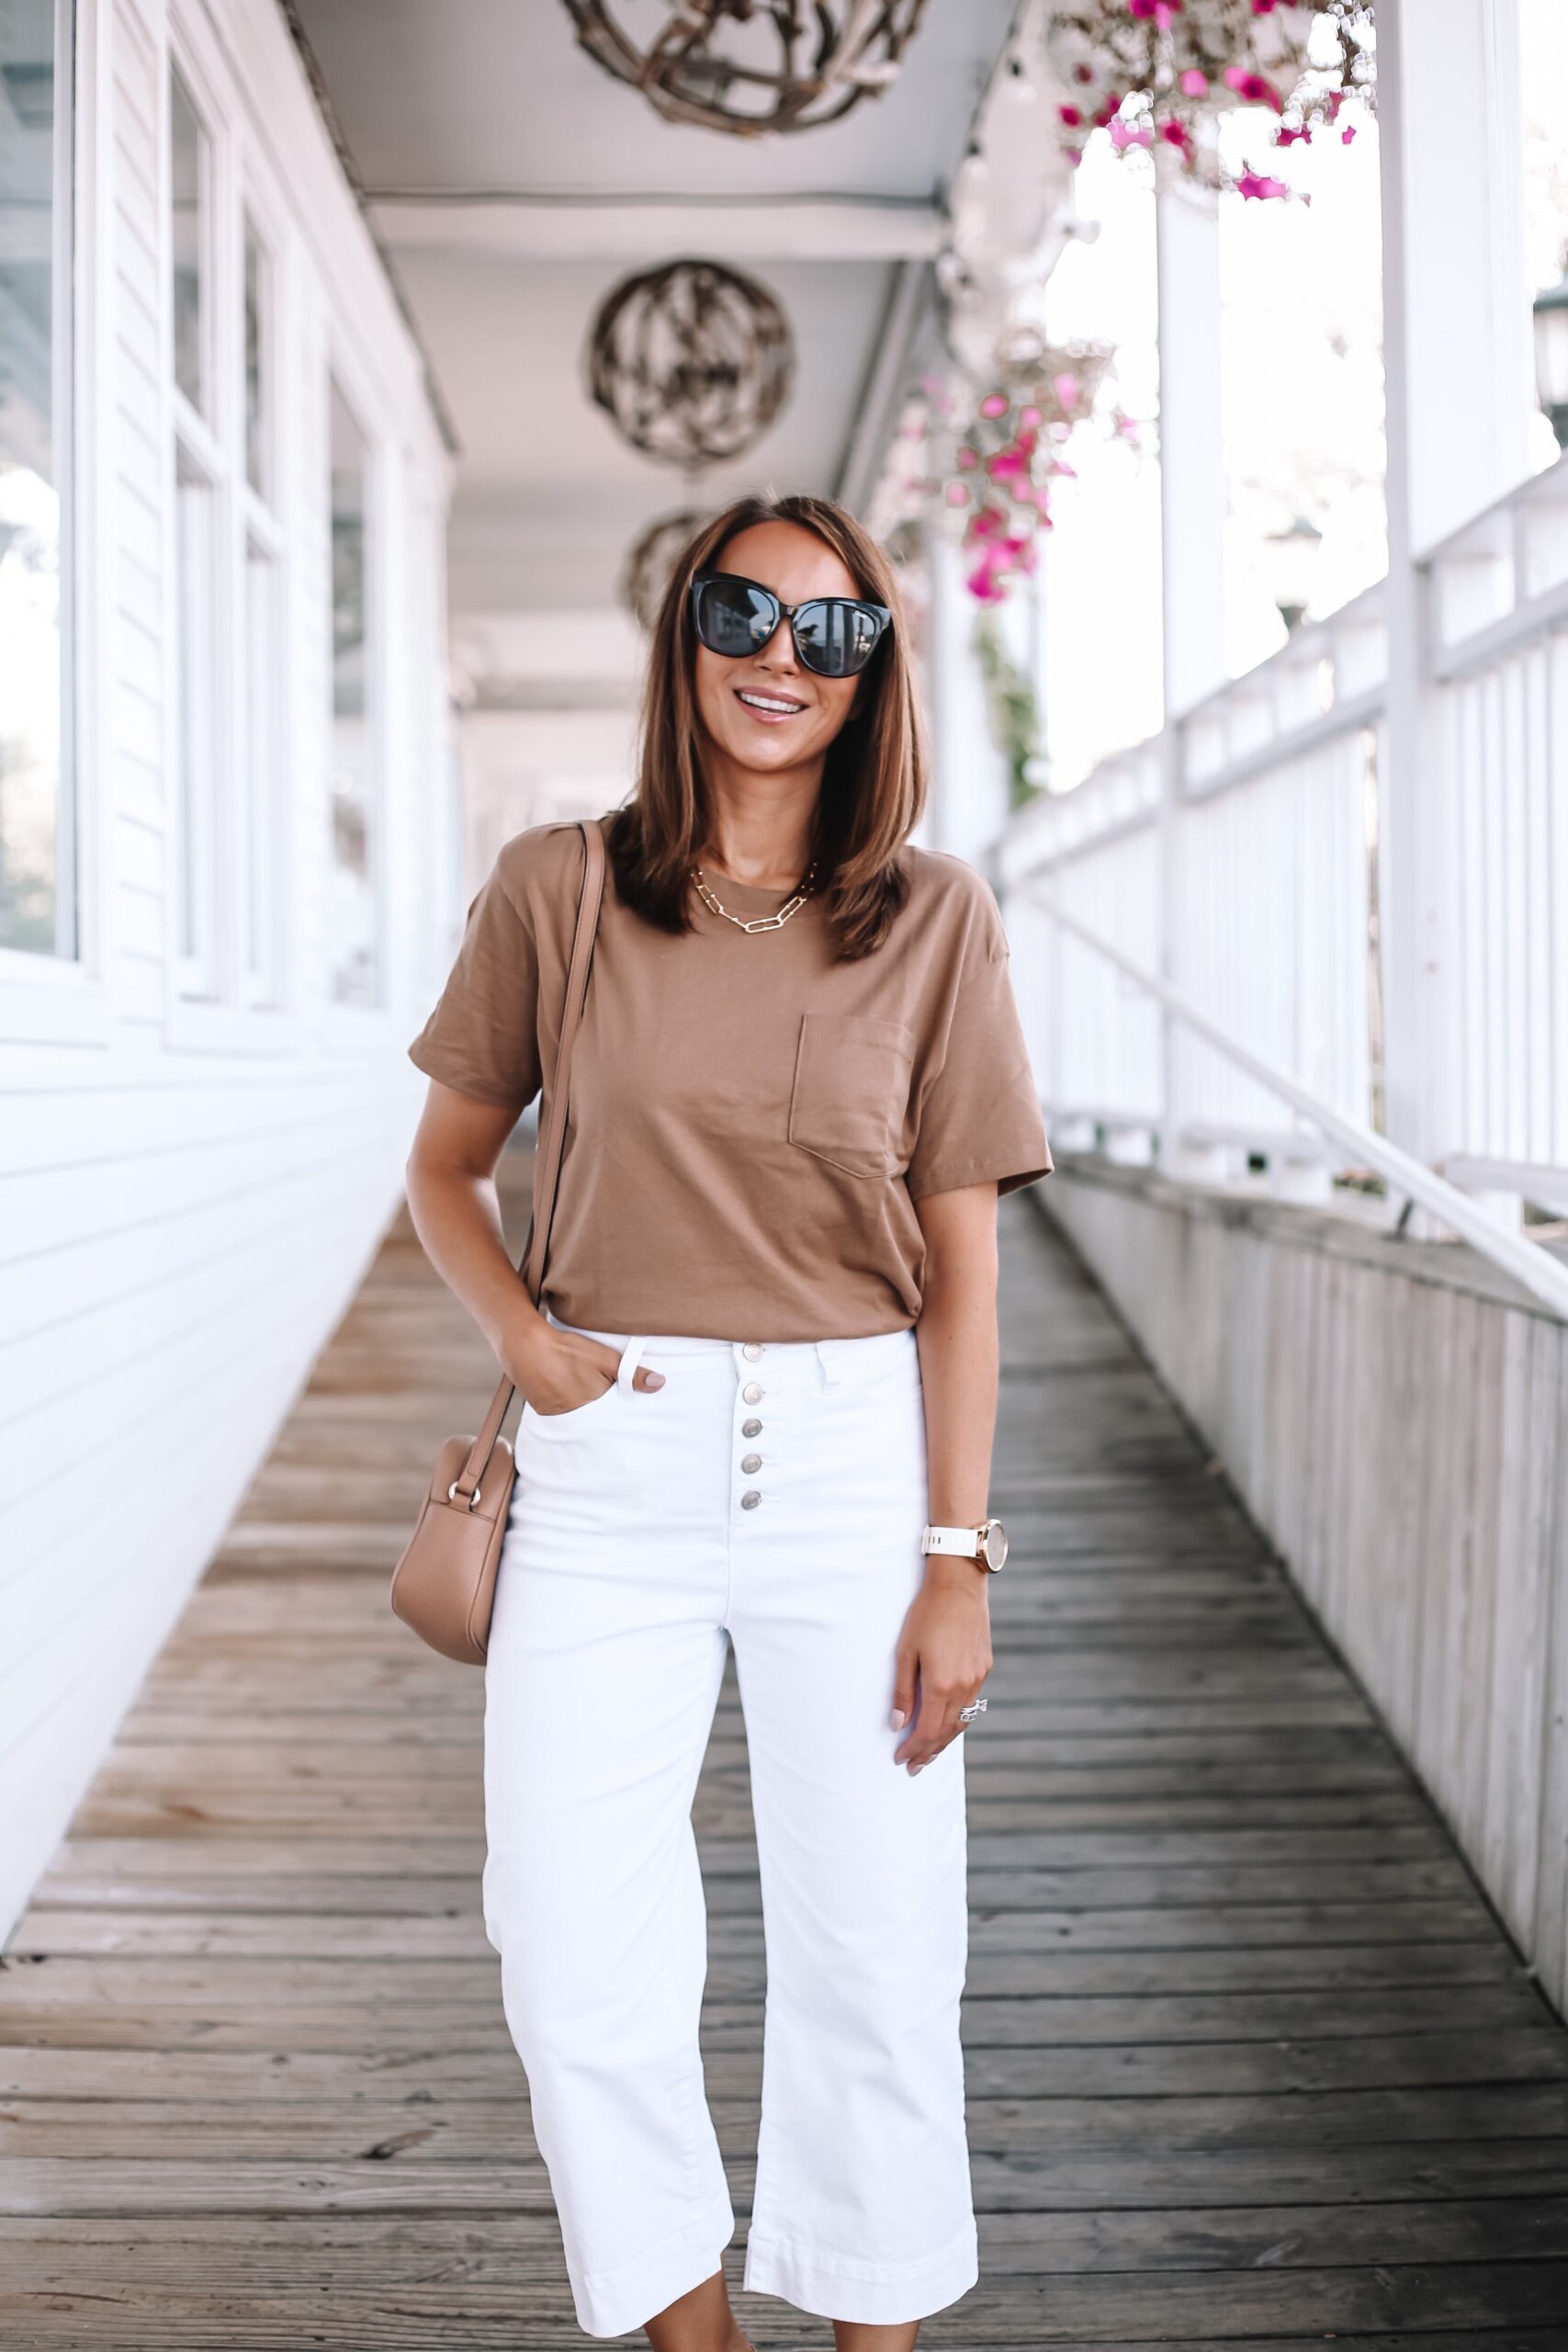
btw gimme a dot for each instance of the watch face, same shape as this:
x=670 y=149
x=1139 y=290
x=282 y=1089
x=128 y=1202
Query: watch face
x=994 y=1544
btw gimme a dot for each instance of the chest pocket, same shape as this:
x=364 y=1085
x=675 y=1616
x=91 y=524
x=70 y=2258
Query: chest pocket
x=850 y=1092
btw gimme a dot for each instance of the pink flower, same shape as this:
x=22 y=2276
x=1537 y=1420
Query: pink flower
x=1130 y=134
x=1259 y=184
x=1028 y=418
x=1004 y=464
x=994 y=405
x=956 y=494
x=1070 y=114
x=1348 y=134
x=1259 y=91
x=967 y=459
x=1287 y=136
x=1175 y=133
x=1083 y=72
x=1263 y=7
x=1162 y=11
x=1194 y=81
x=1067 y=390
x=1256 y=88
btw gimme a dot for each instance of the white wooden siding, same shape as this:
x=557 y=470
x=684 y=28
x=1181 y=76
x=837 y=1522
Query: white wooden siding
x=184 y=1217
x=1396 y=1417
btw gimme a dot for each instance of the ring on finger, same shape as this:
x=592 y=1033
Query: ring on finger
x=970 y=1713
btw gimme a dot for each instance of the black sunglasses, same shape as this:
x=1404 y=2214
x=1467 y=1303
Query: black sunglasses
x=835 y=636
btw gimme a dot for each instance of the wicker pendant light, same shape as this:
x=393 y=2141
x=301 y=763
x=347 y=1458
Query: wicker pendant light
x=691 y=362
x=751 y=67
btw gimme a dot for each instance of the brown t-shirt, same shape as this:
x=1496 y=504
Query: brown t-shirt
x=751 y=1121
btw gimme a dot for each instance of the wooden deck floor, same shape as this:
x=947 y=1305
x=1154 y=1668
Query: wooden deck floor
x=1249 y=2061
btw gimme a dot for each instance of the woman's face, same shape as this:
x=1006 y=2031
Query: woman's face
x=765 y=710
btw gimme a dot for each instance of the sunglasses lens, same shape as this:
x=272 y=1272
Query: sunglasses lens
x=734 y=618
x=835 y=637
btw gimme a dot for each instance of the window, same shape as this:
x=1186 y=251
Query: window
x=258 y=325
x=261 y=836
x=189 y=176
x=355 y=976
x=230 y=637
x=196 y=584
x=261 y=851
x=37 y=869
x=199 y=582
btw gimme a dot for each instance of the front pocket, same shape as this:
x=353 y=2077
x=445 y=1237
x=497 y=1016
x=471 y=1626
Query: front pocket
x=852 y=1091
x=574 y=1416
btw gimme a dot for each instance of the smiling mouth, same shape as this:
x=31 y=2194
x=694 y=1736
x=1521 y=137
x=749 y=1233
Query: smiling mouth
x=771 y=707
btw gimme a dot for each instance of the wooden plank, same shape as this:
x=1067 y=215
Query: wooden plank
x=1488 y=2140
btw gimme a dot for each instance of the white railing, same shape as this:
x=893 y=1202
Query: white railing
x=1529 y=1265
x=1498 y=647
x=1234 y=862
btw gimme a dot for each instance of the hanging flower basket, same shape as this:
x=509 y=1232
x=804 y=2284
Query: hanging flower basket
x=999 y=451
x=1158 y=73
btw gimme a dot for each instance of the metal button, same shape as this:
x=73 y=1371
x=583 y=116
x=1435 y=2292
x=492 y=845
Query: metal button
x=749 y=1500
x=751 y=1350
x=750 y=1462
x=751 y=1428
x=752 y=1393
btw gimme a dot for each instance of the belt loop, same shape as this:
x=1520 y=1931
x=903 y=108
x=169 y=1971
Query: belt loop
x=828 y=1361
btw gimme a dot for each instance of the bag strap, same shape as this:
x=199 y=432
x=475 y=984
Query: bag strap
x=552 y=1143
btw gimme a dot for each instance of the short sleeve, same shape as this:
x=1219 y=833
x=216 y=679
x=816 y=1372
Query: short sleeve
x=980 y=1115
x=482 y=1036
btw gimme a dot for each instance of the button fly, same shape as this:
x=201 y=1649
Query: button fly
x=751 y=1428
x=752 y=1393
x=749 y=1500
x=751 y=1350
x=750 y=1462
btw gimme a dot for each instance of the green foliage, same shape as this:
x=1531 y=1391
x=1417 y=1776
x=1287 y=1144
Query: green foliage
x=1013 y=710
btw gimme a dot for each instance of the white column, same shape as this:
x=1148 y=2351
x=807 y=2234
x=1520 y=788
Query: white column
x=1458 y=375
x=968 y=803
x=1192 y=443
x=1192 y=557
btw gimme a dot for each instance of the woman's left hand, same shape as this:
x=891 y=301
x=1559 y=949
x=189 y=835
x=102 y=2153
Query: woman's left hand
x=945 y=1655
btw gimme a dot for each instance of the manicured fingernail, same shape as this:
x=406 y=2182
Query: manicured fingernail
x=897 y=1718
x=914 y=1769
x=655 y=1380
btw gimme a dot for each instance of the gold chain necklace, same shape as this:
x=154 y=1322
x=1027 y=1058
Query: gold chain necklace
x=758 y=922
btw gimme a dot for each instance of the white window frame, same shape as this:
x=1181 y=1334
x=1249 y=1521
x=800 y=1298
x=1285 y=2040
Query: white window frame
x=235 y=844
x=347 y=1023
x=264 y=832
x=58 y=998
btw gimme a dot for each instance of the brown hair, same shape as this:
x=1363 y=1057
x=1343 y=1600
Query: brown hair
x=873 y=783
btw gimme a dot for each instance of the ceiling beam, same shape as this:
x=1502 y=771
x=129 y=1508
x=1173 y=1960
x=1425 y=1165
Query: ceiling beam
x=532 y=227
x=910 y=300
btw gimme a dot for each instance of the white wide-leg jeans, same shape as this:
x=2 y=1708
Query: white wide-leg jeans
x=774 y=1494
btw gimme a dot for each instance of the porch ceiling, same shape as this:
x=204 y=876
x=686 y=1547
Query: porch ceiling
x=514 y=182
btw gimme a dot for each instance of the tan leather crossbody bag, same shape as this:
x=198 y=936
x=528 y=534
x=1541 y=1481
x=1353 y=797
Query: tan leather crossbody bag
x=443 y=1586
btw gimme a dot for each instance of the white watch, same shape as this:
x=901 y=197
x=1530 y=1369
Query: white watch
x=987 y=1543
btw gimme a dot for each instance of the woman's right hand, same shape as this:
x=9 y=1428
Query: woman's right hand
x=557 y=1370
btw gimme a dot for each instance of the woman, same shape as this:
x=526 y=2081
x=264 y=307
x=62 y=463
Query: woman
x=767 y=1364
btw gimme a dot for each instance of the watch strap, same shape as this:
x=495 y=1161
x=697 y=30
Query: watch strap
x=962 y=1542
